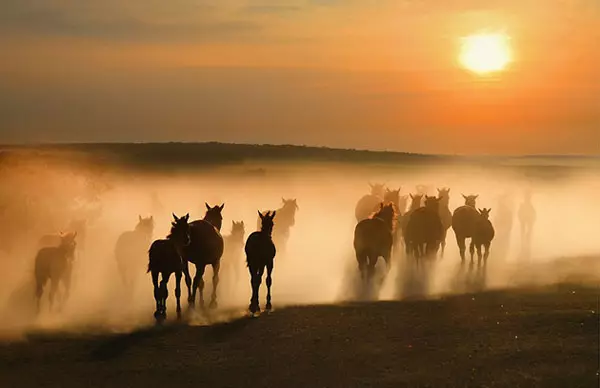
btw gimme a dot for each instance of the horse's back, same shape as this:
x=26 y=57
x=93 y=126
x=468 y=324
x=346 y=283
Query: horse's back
x=206 y=241
x=48 y=262
x=464 y=220
x=163 y=257
x=484 y=233
x=366 y=206
x=372 y=233
x=259 y=246
x=424 y=226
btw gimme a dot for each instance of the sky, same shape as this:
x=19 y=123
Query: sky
x=367 y=74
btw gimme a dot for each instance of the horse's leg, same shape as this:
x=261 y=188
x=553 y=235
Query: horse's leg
x=255 y=281
x=215 y=281
x=199 y=284
x=269 y=282
x=444 y=235
x=188 y=282
x=53 y=289
x=462 y=247
x=472 y=251
x=486 y=253
x=164 y=293
x=157 y=294
x=479 y=255
x=178 y=293
x=39 y=290
x=362 y=260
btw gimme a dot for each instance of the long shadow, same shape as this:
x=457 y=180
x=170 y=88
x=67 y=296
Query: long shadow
x=116 y=346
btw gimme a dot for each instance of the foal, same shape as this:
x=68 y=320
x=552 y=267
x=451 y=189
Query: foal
x=166 y=258
x=260 y=252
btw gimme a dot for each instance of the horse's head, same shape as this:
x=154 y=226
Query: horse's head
x=290 y=204
x=444 y=193
x=237 y=228
x=485 y=213
x=415 y=201
x=377 y=189
x=68 y=243
x=392 y=196
x=213 y=215
x=432 y=203
x=180 y=230
x=470 y=200
x=145 y=225
x=267 y=221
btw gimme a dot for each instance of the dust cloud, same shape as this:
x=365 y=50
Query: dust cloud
x=41 y=196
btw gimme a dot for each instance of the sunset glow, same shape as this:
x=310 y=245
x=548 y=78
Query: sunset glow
x=485 y=53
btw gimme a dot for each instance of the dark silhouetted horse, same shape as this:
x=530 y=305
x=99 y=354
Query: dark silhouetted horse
x=260 y=253
x=286 y=218
x=206 y=248
x=374 y=238
x=445 y=215
x=393 y=196
x=483 y=236
x=364 y=207
x=234 y=249
x=464 y=222
x=55 y=264
x=415 y=203
x=424 y=231
x=131 y=250
x=165 y=258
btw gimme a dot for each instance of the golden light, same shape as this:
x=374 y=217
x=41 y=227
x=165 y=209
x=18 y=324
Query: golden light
x=485 y=53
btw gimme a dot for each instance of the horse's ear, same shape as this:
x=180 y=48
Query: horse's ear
x=175 y=217
x=242 y=223
x=273 y=215
x=476 y=196
x=187 y=217
x=283 y=200
x=411 y=196
x=207 y=206
x=222 y=206
x=464 y=196
x=260 y=215
x=139 y=218
x=74 y=235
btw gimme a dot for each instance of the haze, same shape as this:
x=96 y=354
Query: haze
x=359 y=74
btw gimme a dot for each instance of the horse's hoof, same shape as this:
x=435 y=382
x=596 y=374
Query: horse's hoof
x=269 y=307
x=213 y=305
x=254 y=308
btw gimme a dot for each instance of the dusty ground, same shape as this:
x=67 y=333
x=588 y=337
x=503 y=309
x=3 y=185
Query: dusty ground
x=536 y=337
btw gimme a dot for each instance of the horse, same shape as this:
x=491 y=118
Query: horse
x=483 y=236
x=364 y=207
x=205 y=248
x=424 y=230
x=527 y=217
x=445 y=215
x=286 y=218
x=374 y=237
x=233 y=247
x=415 y=203
x=55 y=264
x=131 y=247
x=464 y=222
x=165 y=257
x=260 y=253
x=393 y=196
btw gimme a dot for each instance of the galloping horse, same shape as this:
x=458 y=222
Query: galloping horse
x=464 y=223
x=131 y=249
x=205 y=248
x=165 y=258
x=364 y=207
x=483 y=236
x=424 y=231
x=260 y=252
x=234 y=248
x=374 y=238
x=445 y=214
x=55 y=264
x=286 y=218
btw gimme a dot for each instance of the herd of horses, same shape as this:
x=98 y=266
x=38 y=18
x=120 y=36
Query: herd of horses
x=386 y=223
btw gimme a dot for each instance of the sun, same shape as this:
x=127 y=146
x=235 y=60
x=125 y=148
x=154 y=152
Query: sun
x=485 y=53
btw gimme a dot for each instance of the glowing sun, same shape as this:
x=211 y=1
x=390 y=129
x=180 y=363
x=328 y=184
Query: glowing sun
x=485 y=53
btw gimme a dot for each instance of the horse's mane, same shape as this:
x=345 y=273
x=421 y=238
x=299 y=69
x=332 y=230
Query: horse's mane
x=384 y=214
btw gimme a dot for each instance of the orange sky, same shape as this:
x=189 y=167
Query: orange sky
x=363 y=74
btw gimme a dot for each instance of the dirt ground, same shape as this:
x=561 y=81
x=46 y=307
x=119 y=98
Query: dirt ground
x=521 y=338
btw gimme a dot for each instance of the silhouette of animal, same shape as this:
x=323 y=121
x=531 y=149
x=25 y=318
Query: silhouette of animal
x=364 y=207
x=445 y=214
x=286 y=218
x=206 y=248
x=374 y=238
x=527 y=217
x=55 y=264
x=415 y=203
x=131 y=249
x=393 y=196
x=464 y=222
x=260 y=254
x=424 y=230
x=483 y=236
x=165 y=257
x=78 y=226
x=234 y=248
